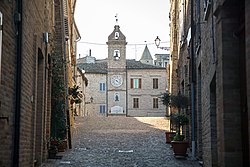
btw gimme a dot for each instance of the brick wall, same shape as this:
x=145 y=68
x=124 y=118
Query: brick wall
x=33 y=29
x=247 y=10
x=205 y=60
x=7 y=85
x=220 y=92
x=229 y=91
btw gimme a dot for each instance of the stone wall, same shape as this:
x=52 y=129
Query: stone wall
x=147 y=93
x=93 y=90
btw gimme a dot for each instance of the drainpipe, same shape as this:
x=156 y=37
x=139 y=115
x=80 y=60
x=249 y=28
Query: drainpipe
x=192 y=80
x=66 y=79
x=126 y=91
x=107 y=100
x=213 y=39
x=18 y=22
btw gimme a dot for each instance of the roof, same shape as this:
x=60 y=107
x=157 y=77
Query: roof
x=133 y=64
x=94 y=67
x=101 y=67
x=146 y=54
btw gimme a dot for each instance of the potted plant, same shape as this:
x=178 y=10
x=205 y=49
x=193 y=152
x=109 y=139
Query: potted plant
x=62 y=145
x=166 y=100
x=52 y=152
x=55 y=141
x=179 y=145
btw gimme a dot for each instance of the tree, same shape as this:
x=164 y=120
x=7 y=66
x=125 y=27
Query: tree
x=177 y=101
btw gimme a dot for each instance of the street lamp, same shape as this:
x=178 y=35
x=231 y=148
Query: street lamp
x=158 y=42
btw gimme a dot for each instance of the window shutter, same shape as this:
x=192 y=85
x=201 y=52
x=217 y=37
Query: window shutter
x=1 y=31
x=155 y=103
x=66 y=19
x=153 y=83
x=104 y=87
x=135 y=102
x=131 y=83
x=139 y=83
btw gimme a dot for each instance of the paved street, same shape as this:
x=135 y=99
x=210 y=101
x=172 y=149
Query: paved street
x=120 y=142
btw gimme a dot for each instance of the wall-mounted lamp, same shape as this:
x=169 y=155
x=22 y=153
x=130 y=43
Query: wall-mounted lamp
x=158 y=42
x=91 y=100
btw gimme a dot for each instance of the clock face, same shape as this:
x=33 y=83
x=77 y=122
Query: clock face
x=116 y=80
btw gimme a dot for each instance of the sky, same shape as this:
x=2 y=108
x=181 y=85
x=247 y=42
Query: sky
x=139 y=20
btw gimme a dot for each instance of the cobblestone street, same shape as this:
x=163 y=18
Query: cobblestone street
x=120 y=142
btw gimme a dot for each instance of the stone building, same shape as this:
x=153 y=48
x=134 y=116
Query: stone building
x=82 y=82
x=28 y=38
x=210 y=50
x=162 y=60
x=118 y=86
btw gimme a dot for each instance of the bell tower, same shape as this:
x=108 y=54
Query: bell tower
x=116 y=49
x=116 y=81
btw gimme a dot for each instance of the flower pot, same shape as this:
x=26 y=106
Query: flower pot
x=52 y=155
x=52 y=152
x=62 y=146
x=180 y=147
x=169 y=135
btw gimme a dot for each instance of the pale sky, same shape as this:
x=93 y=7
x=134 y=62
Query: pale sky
x=139 y=21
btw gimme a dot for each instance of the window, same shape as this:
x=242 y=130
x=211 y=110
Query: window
x=207 y=7
x=117 y=96
x=117 y=54
x=102 y=109
x=135 y=102
x=102 y=87
x=135 y=83
x=116 y=35
x=155 y=103
x=155 y=83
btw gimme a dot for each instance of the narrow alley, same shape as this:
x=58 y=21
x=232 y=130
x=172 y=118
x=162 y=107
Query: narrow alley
x=120 y=142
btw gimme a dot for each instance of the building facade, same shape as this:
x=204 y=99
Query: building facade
x=30 y=35
x=210 y=46
x=25 y=82
x=118 y=86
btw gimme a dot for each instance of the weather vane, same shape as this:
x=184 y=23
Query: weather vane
x=116 y=18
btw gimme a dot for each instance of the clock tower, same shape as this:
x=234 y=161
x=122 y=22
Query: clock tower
x=116 y=78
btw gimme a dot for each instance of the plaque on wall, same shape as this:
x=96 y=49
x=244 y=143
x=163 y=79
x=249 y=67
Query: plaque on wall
x=117 y=110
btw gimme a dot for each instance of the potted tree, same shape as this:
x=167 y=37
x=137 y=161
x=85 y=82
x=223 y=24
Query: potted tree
x=179 y=143
x=165 y=98
x=179 y=120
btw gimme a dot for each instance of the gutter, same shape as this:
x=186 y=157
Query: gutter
x=18 y=23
